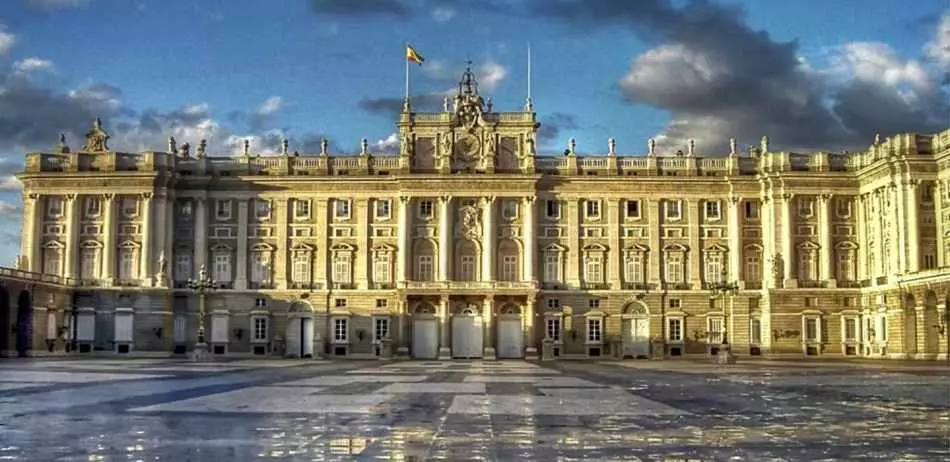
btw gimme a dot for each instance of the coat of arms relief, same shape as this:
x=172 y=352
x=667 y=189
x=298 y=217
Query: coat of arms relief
x=470 y=226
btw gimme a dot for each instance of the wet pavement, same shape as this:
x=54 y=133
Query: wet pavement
x=156 y=409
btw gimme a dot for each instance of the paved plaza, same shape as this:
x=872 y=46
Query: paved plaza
x=159 y=409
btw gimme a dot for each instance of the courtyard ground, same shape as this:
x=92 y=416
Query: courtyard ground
x=160 y=409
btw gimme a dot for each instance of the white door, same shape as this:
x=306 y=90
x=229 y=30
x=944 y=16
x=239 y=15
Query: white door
x=293 y=338
x=425 y=338
x=306 y=334
x=510 y=338
x=466 y=336
x=636 y=337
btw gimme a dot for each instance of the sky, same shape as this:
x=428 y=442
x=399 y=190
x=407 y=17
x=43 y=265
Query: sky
x=810 y=74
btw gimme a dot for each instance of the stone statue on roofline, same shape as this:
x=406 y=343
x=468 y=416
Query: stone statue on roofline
x=97 y=140
x=202 y=148
x=651 y=147
x=62 y=147
x=172 y=145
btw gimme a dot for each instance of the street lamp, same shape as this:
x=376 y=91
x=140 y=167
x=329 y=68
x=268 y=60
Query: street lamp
x=199 y=286
x=721 y=289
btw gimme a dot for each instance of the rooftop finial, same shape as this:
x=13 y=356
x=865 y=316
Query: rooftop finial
x=323 y=146
x=364 y=146
x=284 y=145
x=651 y=147
x=468 y=85
x=172 y=145
x=691 y=148
x=732 y=146
x=611 y=146
x=571 y=146
x=62 y=147
x=528 y=104
x=247 y=147
x=877 y=139
x=97 y=140
x=202 y=148
x=765 y=144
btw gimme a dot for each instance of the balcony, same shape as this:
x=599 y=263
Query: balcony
x=812 y=284
x=638 y=286
x=553 y=286
x=305 y=285
x=382 y=285
x=849 y=284
x=677 y=286
x=595 y=285
x=261 y=285
x=753 y=285
x=344 y=286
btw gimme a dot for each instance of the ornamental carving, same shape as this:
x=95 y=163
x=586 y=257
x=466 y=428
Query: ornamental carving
x=97 y=140
x=469 y=222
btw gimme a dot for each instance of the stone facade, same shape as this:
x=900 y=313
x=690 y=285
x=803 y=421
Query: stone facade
x=468 y=244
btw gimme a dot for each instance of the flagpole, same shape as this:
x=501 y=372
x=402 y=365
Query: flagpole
x=406 y=59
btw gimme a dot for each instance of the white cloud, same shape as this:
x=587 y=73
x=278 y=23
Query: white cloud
x=8 y=209
x=10 y=183
x=388 y=145
x=33 y=64
x=938 y=49
x=270 y=106
x=442 y=14
x=490 y=74
x=6 y=40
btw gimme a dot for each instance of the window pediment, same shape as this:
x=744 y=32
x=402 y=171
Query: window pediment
x=808 y=245
x=383 y=248
x=262 y=247
x=301 y=247
x=717 y=248
x=675 y=248
x=91 y=244
x=53 y=245
x=636 y=248
x=221 y=248
x=594 y=248
x=343 y=248
x=554 y=248
x=846 y=245
x=753 y=248
x=129 y=245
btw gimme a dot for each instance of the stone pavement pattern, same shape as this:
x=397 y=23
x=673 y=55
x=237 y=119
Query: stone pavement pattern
x=98 y=409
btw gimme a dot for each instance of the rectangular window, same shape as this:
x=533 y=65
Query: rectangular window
x=593 y=303
x=185 y=210
x=52 y=261
x=302 y=209
x=126 y=264
x=509 y=209
x=806 y=268
x=850 y=329
x=593 y=330
x=340 y=329
x=843 y=205
x=713 y=211
x=845 y=266
x=633 y=209
x=222 y=209
x=88 y=266
x=130 y=207
x=260 y=267
x=674 y=330
x=553 y=303
x=182 y=267
x=222 y=268
x=260 y=329
x=753 y=265
x=552 y=267
x=425 y=209
x=715 y=332
x=674 y=210
x=381 y=329
x=381 y=265
x=927 y=193
x=552 y=209
x=592 y=209
x=339 y=302
x=553 y=331
x=467 y=268
x=929 y=260
x=509 y=268
x=751 y=210
x=594 y=269
x=93 y=206
x=424 y=268
x=806 y=206
x=383 y=209
x=341 y=209
x=674 y=268
x=635 y=268
x=301 y=272
x=382 y=303
x=714 y=267
x=755 y=333
x=261 y=208
x=811 y=330
x=54 y=207
x=341 y=268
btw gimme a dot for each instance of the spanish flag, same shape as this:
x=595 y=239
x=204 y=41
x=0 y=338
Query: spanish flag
x=413 y=55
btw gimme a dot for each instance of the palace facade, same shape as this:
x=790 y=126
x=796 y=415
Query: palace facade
x=467 y=244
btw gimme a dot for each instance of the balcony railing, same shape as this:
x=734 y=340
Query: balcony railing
x=595 y=285
x=677 y=286
x=344 y=285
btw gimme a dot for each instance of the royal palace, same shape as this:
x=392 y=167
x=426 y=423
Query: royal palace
x=466 y=244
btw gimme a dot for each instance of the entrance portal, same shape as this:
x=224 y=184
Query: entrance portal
x=425 y=333
x=636 y=331
x=467 y=334
x=510 y=333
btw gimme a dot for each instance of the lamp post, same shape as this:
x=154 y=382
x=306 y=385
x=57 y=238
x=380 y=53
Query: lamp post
x=722 y=289
x=200 y=285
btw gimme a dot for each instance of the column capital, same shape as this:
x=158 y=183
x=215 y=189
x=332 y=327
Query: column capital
x=787 y=197
x=107 y=196
x=824 y=197
x=488 y=200
x=146 y=196
x=33 y=196
x=734 y=200
x=70 y=197
x=530 y=199
x=404 y=200
x=445 y=199
x=444 y=299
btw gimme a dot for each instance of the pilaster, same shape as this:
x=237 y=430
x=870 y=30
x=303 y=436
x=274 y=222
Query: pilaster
x=445 y=352
x=695 y=251
x=108 y=237
x=201 y=234
x=445 y=237
x=653 y=259
x=488 y=318
x=862 y=271
x=162 y=226
x=71 y=202
x=322 y=251
x=363 y=254
x=488 y=238
x=827 y=252
x=31 y=234
x=735 y=239
x=574 y=243
x=240 y=277
x=895 y=196
x=531 y=350
x=786 y=238
x=145 y=260
x=402 y=235
x=940 y=191
x=615 y=253
x=912 y=239
x=530 y=255
x=280 y=257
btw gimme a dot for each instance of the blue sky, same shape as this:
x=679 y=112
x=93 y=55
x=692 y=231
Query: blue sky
x=809 y=74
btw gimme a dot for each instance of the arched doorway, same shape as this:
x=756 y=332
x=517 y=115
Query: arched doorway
x=425 y=332
x=24 y=322
x=467 y=332
x=5 y=324
x=910 y=325
x=299 y=330
x=510 y=333
x=636 y=330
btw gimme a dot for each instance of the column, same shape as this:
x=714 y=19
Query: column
x=862 y=271
x=656 y=253
x=530 y=257
x=201 y=234
x=280 y=255
x=940 y=191
x=402 y=328
x=162 y=227
x=108 y=238
x=240 y=278
x=574 y=244
x=31 y=234
x=319 y=259
x=488 y=238
x=614 y=253
x=71 y=202
x=445 y=351
x=531 y=350
x=695 y=248
x=735 y=240
x=768 y=242
x=445 y=237
x=145 y=259
x=895 y=196
x=363 y=255
x=826 y=254
x=912 y=236
x=786 y=238
x=402 y=234
x=488 y=318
